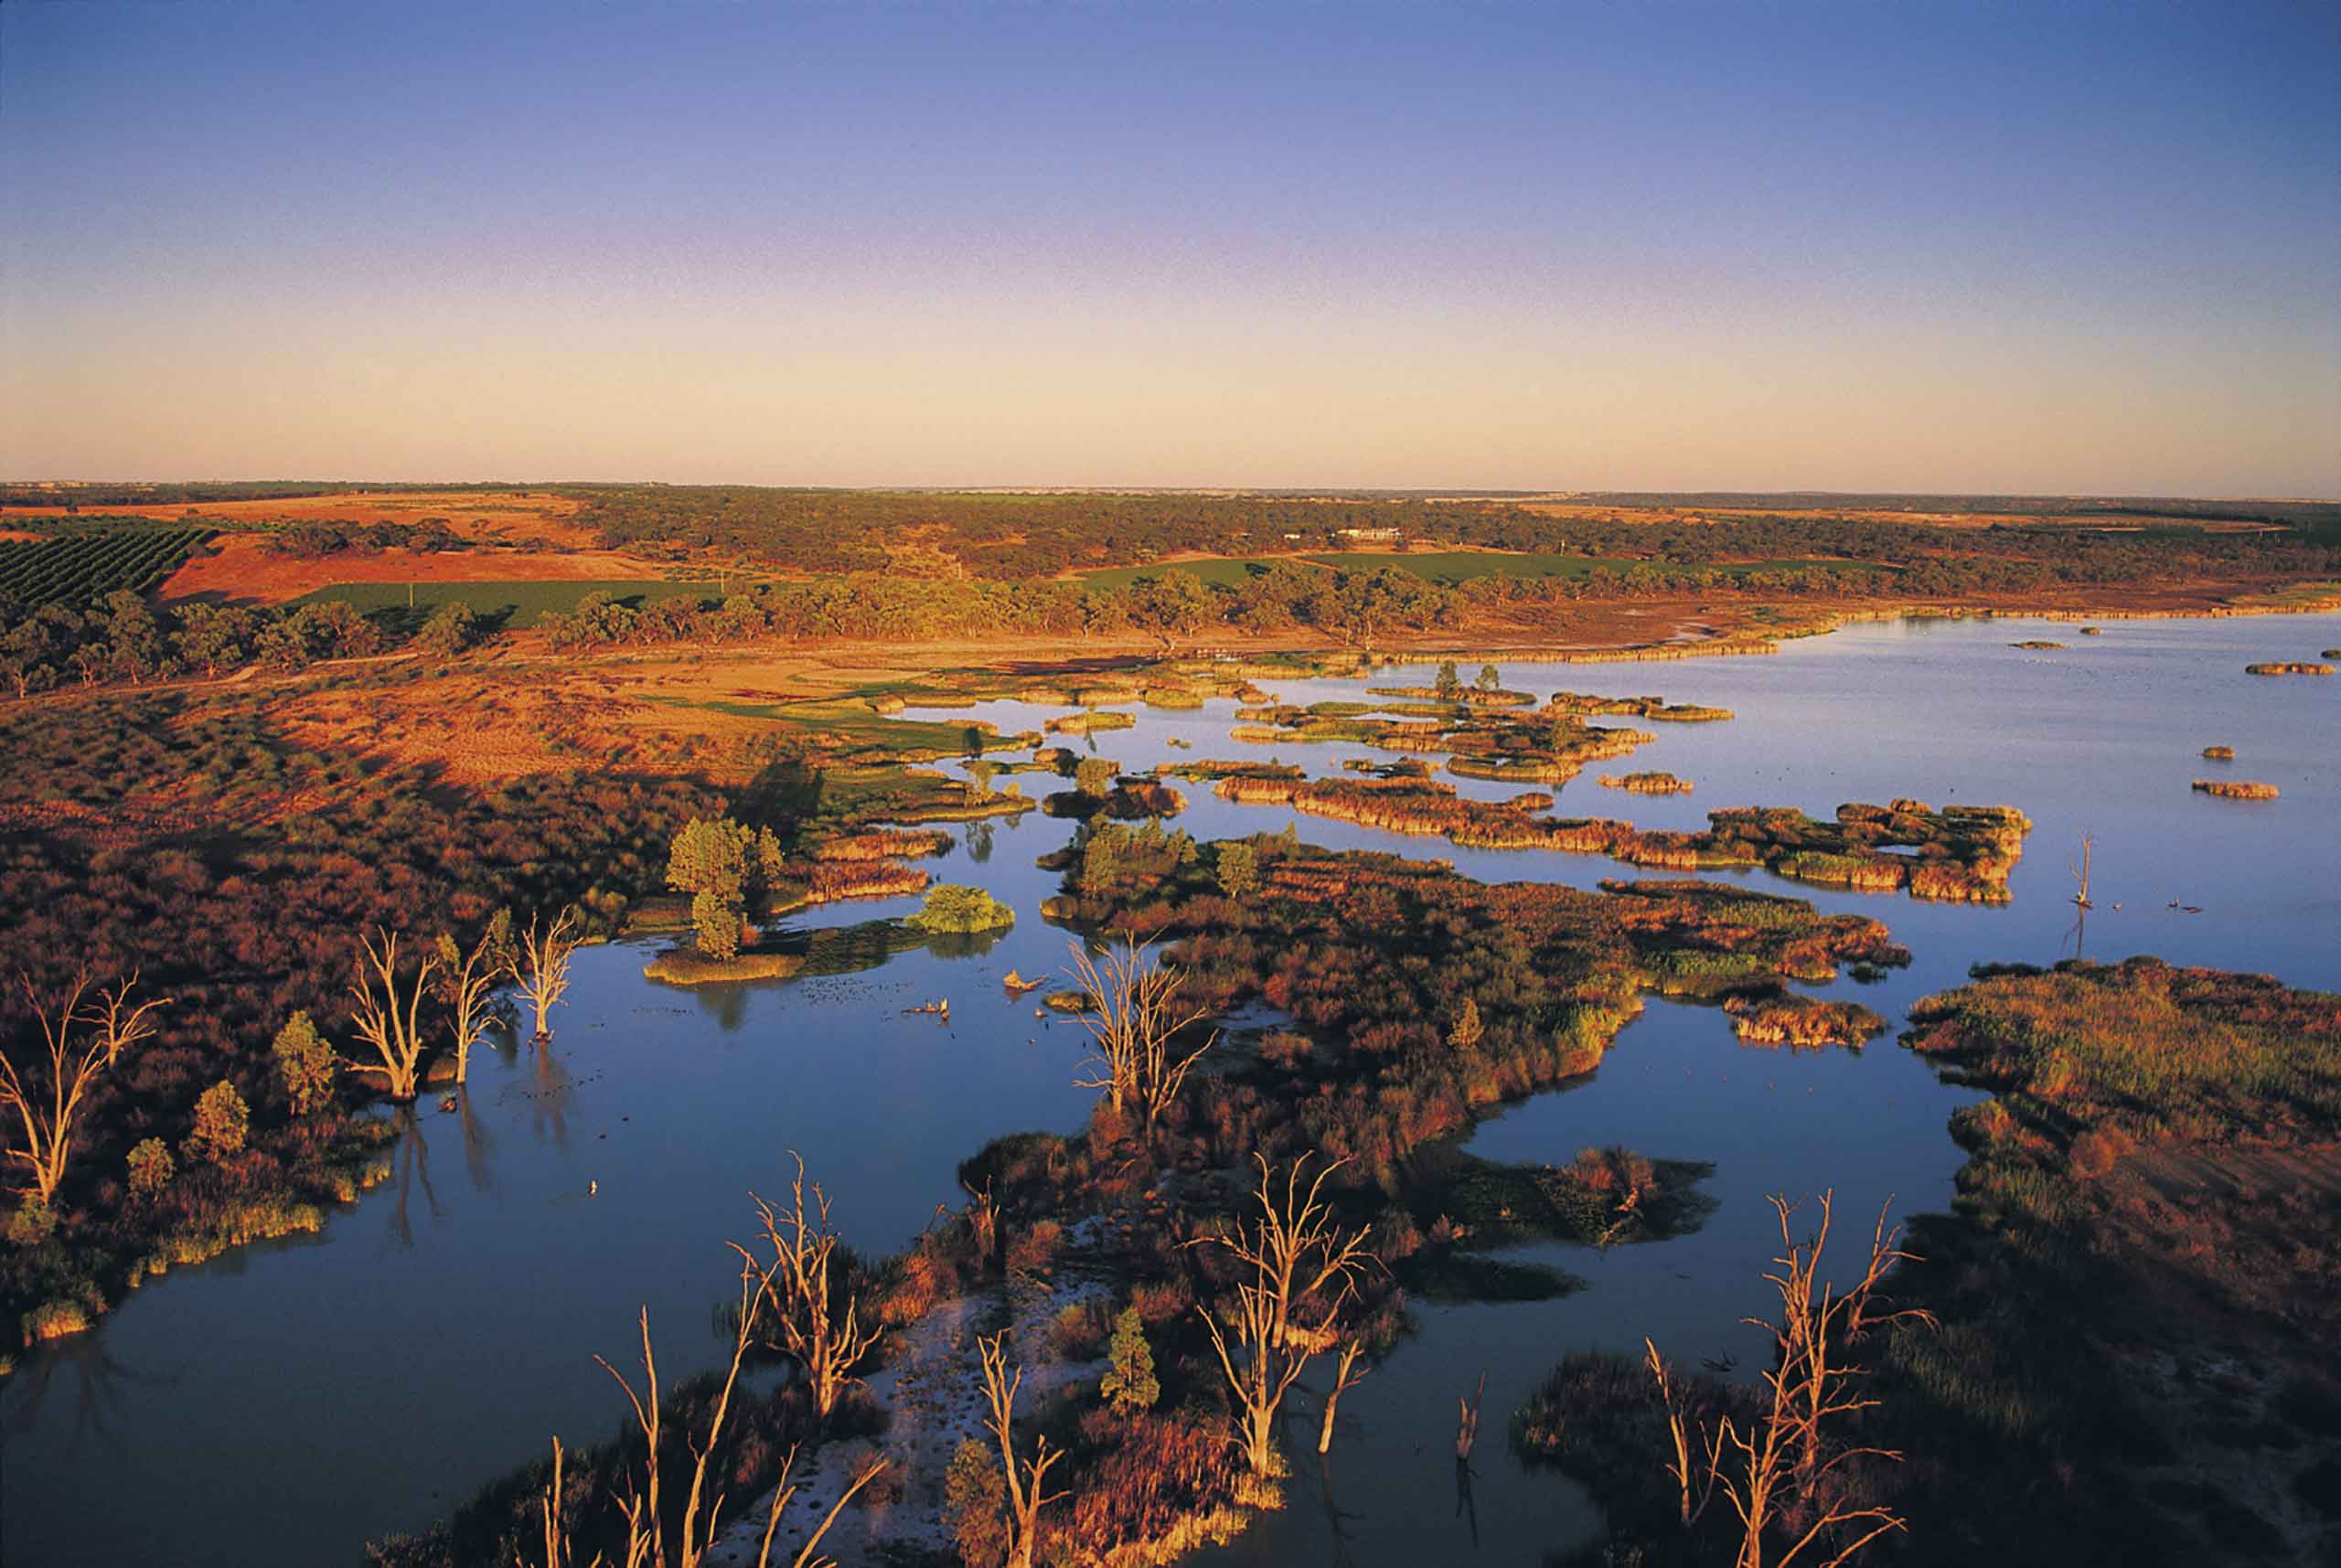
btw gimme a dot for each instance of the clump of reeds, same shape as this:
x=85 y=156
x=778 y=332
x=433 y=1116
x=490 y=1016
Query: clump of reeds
x=1089 y=723
x=688 y=966
x=2237 y=789
x=2040 y=643
x=882 y=845
x=2293 y=667
x=2220 y=753
x=1800 y=1022
x=1645 y=783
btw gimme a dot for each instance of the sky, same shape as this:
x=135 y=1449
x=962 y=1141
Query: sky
x=2046 y=247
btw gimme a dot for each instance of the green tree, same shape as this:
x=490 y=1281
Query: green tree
x=1449 y=685
x=975 y=1504
x=452 y=627
x=1094 y=775
x=151 y=1169
x=710 y=860
x=1239 y=870
x=304 y=1064
x=1129 y=1384
x=1490 y=678
x=222 y=1120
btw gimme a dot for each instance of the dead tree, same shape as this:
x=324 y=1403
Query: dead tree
x=79 y=1044
x=1026 y=1478
x=640 y=1506
x=118 y=1023
x=1346 y=1376
x=1133 y=1016
x=813 y=1310
x=1679 y=1470
x=2080 y=870
x=540 y=968
x=1467 y=1419
x=1287 y=1260
x=388 y=1022
x=467 y=980
x=1779 y=1472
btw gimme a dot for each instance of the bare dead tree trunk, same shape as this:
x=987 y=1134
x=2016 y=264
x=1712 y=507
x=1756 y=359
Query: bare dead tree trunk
x=815 y=1314
x=640 y=1506
x=1290 y=1256
x=1345 y=1377
x=79 y=1043
x=1467 y=1419
x=540 y=966
x=1133 y=1018
x=468 y=979
x=388 y=1023
x=1025 y=1479
x=1778 y=1473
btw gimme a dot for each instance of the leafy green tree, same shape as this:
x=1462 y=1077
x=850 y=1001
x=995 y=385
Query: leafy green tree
x=1239 y=870
x=305 y=1064
x=151 y=1169
x=221 y=1122
x=452 y=627
x=1490 y=678
x=1129 y=1384
x=1096 y=775
x=975 y=1504
x=710 y=860
x=1449 y=685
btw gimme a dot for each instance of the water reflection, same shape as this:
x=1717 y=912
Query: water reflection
x=410 y=1169
x=103 y=1392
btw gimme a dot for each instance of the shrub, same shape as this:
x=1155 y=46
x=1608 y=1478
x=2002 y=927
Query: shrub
x=32 y=1222
x=151 y=1169
x=222 y=1120
x=974 y=1505
x=953 y=906
x=304 y=1064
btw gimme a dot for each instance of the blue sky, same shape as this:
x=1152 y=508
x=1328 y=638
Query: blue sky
x=1963 y=247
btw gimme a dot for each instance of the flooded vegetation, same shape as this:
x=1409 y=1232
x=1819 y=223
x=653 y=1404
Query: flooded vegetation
x=1348 y=1040
x=2237 y=789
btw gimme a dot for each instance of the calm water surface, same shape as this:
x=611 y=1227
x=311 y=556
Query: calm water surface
x=286 y=1402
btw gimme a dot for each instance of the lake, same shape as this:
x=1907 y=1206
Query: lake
x=286 y=1402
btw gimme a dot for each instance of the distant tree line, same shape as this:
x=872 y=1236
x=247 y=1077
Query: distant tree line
x=1029 y=536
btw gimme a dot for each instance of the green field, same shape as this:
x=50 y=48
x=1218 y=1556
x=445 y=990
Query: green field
x=509 y=605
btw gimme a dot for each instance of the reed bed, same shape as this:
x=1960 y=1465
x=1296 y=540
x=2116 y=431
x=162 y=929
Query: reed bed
x=1088 y=724
x=2235 y=789
x=2293 y=667
x=883 y=845
x=1800 y=1022
x=2220 y=753
x=1645 y=783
